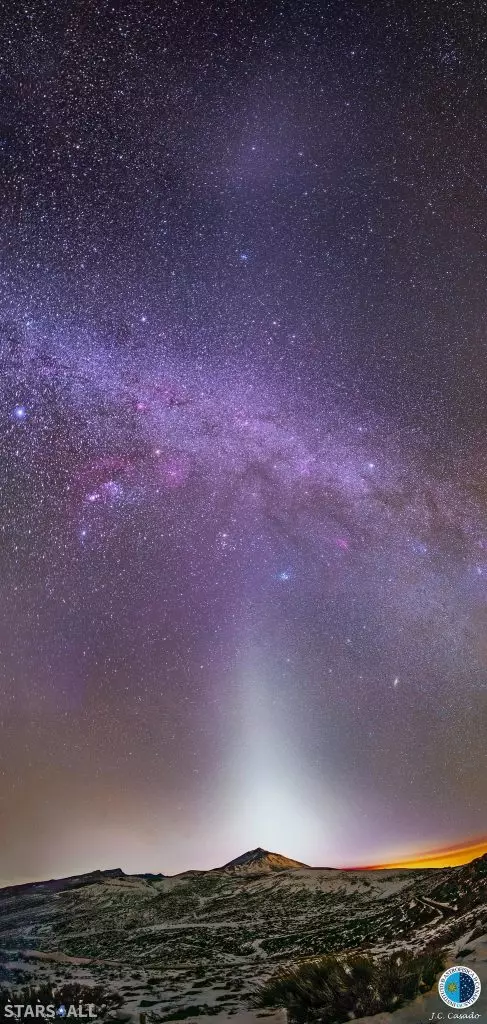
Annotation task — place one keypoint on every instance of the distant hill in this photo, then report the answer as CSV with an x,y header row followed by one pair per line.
x,y
70,882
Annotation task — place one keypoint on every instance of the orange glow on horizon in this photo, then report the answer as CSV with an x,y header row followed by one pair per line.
x,y
448,856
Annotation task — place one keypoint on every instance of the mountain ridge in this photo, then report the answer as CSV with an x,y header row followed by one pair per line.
x,y
258,859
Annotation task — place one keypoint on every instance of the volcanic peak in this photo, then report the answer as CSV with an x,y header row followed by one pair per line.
x,y
261,860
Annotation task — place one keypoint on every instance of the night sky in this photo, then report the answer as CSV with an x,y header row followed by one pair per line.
x,y
243,366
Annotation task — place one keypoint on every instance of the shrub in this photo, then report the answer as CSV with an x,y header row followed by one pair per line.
x,y
332,991
57,995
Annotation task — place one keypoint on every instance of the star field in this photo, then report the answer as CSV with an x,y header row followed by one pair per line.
x,y
243,374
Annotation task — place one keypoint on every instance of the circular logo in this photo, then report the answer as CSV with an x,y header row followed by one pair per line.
x,y
459,987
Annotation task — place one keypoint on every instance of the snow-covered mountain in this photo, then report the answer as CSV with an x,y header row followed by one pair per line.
x,y
204,938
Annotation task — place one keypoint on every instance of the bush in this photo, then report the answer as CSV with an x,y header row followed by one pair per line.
x,y
58,995
331,990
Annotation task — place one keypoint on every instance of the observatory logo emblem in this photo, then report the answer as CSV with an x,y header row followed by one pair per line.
x,y
459,987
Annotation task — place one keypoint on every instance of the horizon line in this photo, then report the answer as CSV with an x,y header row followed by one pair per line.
x,y
441,857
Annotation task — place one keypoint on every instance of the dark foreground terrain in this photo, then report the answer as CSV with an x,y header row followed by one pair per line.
x,y
198,943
